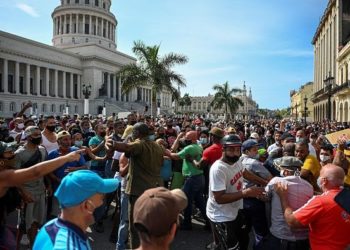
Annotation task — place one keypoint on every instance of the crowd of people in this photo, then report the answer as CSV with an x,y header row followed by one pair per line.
x,y
265,184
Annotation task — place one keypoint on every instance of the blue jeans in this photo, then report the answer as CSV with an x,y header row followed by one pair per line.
x,y
194,188
123,231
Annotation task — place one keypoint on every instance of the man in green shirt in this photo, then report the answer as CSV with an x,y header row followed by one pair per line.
x,y
194,178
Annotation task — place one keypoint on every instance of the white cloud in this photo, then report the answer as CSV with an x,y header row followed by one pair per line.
x,y
27,9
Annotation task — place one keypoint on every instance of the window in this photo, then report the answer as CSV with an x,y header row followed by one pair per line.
x,y
87,1
13,107
87,28
76,109
53,108
68,1
62,106
1,106
86,40
31,86
11,86
67,28
76,1
104,5
73,40
43,108
96,3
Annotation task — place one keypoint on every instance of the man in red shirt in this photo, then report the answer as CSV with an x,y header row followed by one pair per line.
x,y
328,222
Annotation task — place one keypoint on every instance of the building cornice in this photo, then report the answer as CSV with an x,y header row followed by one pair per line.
x,y
326,13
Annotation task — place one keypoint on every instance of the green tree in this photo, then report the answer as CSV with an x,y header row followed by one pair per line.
x,y
224,98
185,100
153,70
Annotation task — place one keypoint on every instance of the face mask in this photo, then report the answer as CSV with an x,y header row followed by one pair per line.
x,y
78,143
319,182
92,204
36,141
324,158
232,159
297,139
203,140
103,134
151,137
51,128
20,125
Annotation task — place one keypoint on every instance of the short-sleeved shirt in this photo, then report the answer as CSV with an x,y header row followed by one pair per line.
x,y
145,162
299,192
60,234
60,172
212,153
23,155
255,167
97,165
223,176
188,169
329,224
311,164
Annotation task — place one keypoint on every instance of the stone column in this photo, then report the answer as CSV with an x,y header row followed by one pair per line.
x,y
79,87
64,84
56,82
28,79
5,76
107,34
83,23
108,85
37,80
71,86
17,77
47,81
54,26
90,26
64,24
70,23
120,88
102,27
96,24
115,86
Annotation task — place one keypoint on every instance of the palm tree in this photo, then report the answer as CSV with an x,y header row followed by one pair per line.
x,y
224,98
185,100
154,70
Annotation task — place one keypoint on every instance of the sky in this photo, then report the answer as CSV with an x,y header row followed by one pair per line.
x,y
267,43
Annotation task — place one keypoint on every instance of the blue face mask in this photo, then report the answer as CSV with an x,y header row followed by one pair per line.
x,y
203,140
151,137
78,143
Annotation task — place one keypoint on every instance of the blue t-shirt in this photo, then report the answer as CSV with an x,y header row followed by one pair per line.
x,y
60,171
97,165
60,234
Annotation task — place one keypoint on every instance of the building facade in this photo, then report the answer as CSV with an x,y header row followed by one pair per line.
x,y
299,100
84,53
331,95
201,105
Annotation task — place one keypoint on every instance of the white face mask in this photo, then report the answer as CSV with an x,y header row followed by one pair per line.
x,y
297,139
324,158
20,125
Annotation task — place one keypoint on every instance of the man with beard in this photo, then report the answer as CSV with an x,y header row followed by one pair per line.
x,y
79,194
129,127
226,194
29,155
49,137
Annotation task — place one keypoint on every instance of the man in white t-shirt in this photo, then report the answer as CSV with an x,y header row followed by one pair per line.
x,y
225,197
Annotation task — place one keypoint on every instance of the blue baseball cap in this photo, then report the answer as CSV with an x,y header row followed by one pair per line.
x,y
81,185
248,144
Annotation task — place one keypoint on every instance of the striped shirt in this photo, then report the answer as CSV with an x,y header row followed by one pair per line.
x,y
60,234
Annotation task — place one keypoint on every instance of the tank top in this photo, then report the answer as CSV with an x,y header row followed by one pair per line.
x,y
49,146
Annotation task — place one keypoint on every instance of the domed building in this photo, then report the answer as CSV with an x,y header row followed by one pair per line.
x,y
84,58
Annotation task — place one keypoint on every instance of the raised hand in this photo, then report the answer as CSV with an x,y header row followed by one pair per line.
x,y
74,156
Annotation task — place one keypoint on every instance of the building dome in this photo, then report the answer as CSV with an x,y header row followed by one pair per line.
x,y
79,22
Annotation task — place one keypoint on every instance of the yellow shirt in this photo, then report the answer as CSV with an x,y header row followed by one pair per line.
x,y
311,164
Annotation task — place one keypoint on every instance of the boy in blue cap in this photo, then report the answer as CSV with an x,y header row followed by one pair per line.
x,y
79,194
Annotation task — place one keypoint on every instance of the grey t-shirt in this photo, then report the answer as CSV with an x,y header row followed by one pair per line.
x,y
255,167
22,155
299,192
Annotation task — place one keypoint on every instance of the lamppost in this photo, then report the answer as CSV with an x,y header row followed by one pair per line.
x,y
328,82
305,109
86,93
